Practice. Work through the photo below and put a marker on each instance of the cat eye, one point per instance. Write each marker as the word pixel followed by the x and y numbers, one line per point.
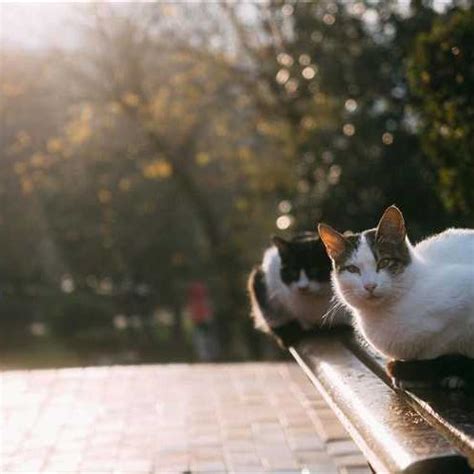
pixel 351 269
pixel 385 262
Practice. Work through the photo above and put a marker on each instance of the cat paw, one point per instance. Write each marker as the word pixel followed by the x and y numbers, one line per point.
pixel 410 384
pixel 288 334
pixel 453 382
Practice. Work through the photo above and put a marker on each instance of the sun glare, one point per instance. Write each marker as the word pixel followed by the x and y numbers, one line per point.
pixel 35 24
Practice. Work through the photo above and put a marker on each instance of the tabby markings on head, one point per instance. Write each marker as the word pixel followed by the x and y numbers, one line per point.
pixel 366 263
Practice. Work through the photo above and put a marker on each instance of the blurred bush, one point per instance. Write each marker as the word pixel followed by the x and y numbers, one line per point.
pixel 442 76
pixel 83 321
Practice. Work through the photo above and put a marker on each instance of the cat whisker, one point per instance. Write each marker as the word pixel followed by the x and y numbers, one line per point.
pixel 328 317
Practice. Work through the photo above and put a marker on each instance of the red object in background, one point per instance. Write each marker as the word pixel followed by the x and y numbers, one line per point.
pixel 198 303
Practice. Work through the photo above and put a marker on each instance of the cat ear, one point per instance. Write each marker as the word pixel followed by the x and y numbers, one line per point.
pixel 334 242
pixel 281 244
pixel 391 227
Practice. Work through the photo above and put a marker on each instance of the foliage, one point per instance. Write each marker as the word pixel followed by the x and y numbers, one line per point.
pixel 339 79
pixel 170 141
pixel 89 321
pixel 442 75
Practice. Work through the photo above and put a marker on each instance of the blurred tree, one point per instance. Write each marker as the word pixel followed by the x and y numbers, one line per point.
pixel 336 72
pixel 29 113
pixel 152 142
pixel 165 144
pixel 442 77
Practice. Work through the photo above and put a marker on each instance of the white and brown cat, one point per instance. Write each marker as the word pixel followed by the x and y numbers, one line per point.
pixel 410 302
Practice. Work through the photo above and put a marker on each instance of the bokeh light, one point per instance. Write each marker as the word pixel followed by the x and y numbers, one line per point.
pixel 284 222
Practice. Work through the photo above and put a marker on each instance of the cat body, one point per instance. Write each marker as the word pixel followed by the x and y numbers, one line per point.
pixel 409 302
pixel 432 311
pixel 290 291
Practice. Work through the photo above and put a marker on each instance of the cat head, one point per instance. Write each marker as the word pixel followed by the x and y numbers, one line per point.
pixel 304 264
pixel 370 267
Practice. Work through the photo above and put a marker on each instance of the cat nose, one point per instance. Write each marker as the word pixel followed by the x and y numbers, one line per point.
pixel 303 288
pixel 370 287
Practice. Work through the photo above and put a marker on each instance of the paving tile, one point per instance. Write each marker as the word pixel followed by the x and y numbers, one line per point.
pixel 312 442
pixel 251 469
pixel 242 418
pixel 242 459
pixel 341 447
pixel 350 461
pixel 320 468
pixel 328 427
pixel 312 457
pixel 355 470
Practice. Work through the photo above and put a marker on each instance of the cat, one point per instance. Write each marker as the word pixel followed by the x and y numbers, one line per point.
pixel 408 302
pixel 290 291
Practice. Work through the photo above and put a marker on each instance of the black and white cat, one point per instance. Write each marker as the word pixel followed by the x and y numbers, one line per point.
pixel 290 291
pixel 410 303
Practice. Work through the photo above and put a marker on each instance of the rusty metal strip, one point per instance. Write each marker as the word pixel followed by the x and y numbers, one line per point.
pixel 391 434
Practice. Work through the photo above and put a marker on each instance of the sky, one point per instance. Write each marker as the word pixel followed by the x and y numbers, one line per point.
pixel 40 24
pixel 35 25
